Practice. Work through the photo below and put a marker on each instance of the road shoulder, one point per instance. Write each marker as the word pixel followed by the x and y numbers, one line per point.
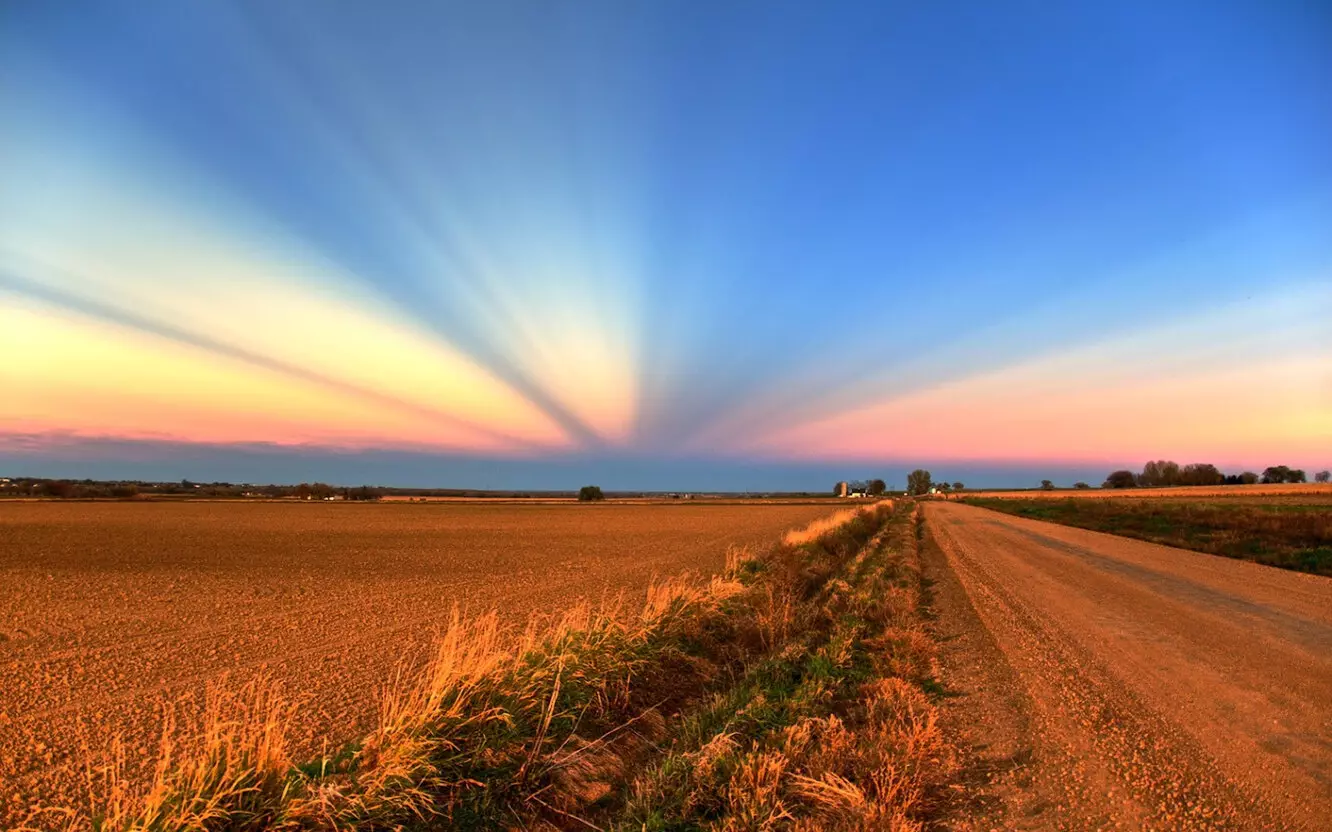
pixel 986 711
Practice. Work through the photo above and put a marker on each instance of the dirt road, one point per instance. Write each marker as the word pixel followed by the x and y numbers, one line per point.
pixel 1107 683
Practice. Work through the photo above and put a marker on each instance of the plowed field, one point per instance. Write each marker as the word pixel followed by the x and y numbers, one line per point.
pixel 109 609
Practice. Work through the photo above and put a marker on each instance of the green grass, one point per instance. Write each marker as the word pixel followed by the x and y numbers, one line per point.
pixel 1284 535
pixel 834 730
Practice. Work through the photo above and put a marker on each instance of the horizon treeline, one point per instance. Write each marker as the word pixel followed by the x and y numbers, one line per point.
pixel 136 489
pixel 130 489
pixel 1164 472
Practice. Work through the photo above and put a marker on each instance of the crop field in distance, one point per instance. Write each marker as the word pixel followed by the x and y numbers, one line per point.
pixel 1265 493
pixel 1287 526
pixel 108 610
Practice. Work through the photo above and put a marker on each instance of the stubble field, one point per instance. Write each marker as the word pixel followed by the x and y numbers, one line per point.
pixel 108 610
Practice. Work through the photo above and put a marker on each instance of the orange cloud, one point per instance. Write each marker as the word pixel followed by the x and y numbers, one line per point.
pixel 90 378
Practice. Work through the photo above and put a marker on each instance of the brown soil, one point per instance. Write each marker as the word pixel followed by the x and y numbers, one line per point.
pixel 1106 683
pixel 109 609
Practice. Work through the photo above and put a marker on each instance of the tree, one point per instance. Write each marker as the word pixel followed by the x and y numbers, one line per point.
pixel 1151 474
pixel 1200 473
pixel 876 488
pixel 1323 476
pixel 590 494
pixel 321 491
pixel 1081 485
pixel 1046 485
pixel 944 487
pixel 1160 472
pixel 1248 478
pixel 957 486
pixel 1276 473
pixel 919 482
pixel 59 488
pixel 1170 474
pixel 1120 479
pixel 1296 475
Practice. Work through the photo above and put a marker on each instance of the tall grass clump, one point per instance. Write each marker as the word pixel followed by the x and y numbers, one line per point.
pixel 831 729
pixel 823 525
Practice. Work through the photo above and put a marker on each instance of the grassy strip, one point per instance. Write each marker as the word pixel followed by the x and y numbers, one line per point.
pixel 501 729
pixel 1285 536
pixel 832 731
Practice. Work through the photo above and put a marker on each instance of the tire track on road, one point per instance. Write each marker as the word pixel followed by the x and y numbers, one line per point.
pixel 1110 747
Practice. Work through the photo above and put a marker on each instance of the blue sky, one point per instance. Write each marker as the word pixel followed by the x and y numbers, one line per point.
pixel 663 244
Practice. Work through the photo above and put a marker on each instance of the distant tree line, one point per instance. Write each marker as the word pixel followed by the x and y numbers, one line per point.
pixel 138 489
pixel 921 482
pixel 1156 473
pixel 69 489
pixel 1162 472
pixel 918 482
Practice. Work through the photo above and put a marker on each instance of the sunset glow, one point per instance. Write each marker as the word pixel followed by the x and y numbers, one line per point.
pixel 607 232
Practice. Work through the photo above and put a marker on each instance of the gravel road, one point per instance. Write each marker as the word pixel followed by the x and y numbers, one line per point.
pixel 1108 683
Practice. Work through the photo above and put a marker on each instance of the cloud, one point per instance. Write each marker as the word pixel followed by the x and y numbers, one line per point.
pixel 1242 383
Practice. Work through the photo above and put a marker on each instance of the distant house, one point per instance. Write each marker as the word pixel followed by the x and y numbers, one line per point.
pixel 855 494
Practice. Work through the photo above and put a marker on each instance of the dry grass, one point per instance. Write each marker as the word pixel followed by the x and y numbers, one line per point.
pixel 510 728
pixel 823 525
pixel 493 710
pixel 205 774
pixel 830 730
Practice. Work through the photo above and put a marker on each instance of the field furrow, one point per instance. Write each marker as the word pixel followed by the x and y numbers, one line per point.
pixel 111 609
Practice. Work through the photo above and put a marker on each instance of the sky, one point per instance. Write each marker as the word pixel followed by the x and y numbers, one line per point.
pixel 663 245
